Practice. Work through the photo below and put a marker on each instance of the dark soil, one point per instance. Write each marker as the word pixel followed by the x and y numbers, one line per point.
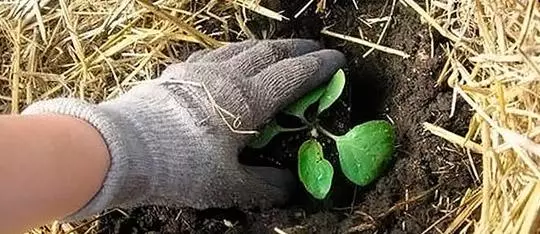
pixel 424 181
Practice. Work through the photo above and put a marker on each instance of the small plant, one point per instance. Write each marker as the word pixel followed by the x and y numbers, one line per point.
pixel 363 151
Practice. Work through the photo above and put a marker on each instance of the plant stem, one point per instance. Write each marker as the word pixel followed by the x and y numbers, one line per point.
pixel 327 133
pixel 303 119
pixel 282 129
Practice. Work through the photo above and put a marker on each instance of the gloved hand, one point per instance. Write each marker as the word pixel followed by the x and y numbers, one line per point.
pixel 175 140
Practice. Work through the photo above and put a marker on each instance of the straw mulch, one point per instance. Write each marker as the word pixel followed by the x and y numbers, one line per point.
pixel 97 49
pixel 494 65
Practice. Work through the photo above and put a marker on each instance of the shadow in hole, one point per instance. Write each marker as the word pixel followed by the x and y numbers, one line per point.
pixel 368 89
pixel 363 100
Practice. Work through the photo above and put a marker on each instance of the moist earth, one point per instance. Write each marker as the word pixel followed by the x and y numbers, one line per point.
pixel 427 175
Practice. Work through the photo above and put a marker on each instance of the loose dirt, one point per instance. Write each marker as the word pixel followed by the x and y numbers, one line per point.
pixel 427 176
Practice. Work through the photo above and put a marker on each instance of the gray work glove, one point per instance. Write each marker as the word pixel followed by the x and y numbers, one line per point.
pixel 169 140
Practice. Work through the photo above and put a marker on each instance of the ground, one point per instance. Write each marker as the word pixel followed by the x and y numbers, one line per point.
pixel 427 175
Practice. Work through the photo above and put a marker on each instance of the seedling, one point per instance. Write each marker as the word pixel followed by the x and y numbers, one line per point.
pixel 364 151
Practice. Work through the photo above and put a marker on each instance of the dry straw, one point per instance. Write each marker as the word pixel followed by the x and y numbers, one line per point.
pixel 494 65
pixel 97 49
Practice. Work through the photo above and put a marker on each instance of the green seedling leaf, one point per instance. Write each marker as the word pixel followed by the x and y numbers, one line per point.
pixel 266 135
pixel 299 107
pixel 333 91
pixel 315 172
pixel 365 150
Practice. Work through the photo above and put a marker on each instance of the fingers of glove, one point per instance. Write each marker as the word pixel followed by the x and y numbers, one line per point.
pixel 288 80
pixel 227 52
pixel 197 55
pixel 241 186
pixel 246 187
pixel 265 53
pixel 271 186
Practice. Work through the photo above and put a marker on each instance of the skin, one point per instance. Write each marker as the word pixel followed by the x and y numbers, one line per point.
pixel 50 166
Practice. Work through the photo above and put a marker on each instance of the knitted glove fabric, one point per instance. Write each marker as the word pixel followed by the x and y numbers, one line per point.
pixel 174 140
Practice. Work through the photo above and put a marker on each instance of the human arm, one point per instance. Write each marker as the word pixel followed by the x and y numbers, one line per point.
pixel 50 166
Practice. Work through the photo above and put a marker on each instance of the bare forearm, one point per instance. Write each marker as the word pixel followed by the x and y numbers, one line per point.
pixel 50 166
